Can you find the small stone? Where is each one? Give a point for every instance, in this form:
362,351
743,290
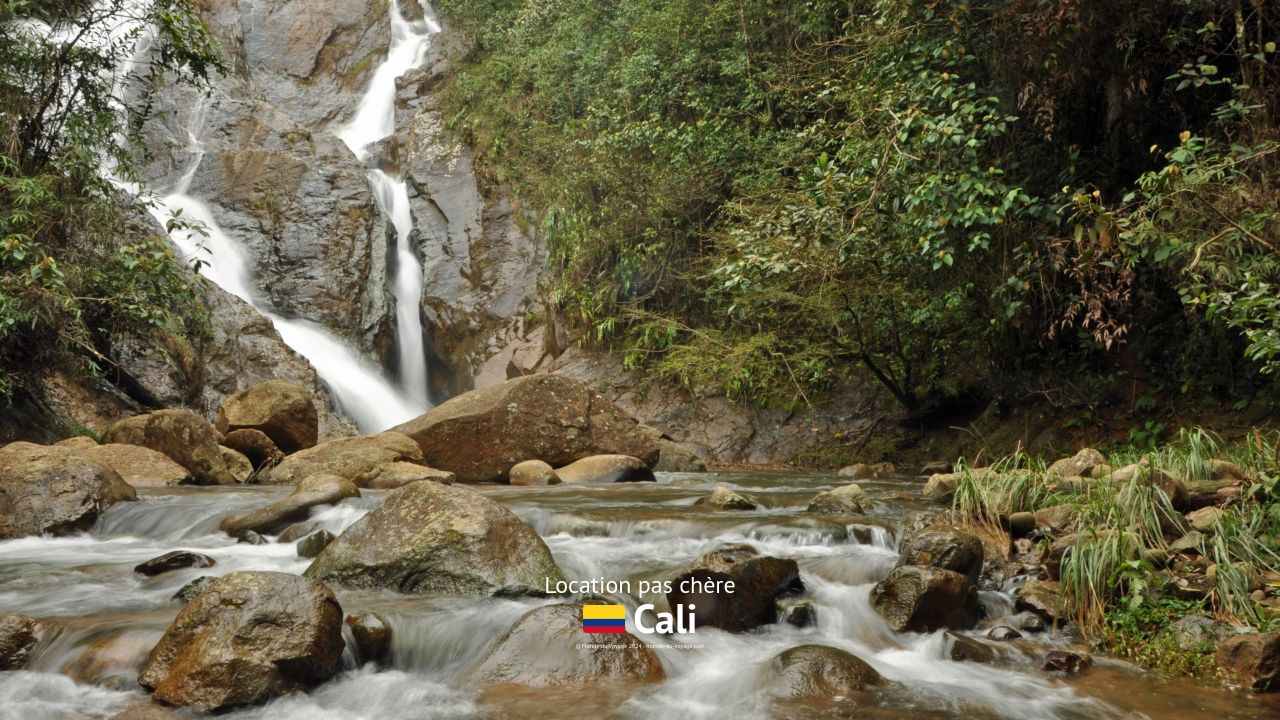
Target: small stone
1189,543
797,613
1003,633
723,498
1067,661
251,538
1021,524
193,588
1204,519
18,637
315,543
174,561
296,532
532,473
372,634
963,648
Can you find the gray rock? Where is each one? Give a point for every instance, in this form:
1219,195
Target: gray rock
54,490
722,498
315,490
605,469
922,599
372,634
175,560
315,543
848,499
820,672
247,637
427,537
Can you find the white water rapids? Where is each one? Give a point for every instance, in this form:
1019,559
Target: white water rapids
106,618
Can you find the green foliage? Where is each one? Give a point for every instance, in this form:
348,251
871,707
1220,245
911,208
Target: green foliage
1143,632
758,198
76,264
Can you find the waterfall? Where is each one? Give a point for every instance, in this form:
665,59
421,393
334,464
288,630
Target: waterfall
373,122
360,388
357,385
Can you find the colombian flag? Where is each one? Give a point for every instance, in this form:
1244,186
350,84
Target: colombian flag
604,619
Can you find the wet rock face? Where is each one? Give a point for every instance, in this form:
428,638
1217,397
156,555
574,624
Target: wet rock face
546,647
246,349
820,672
946,548
316,490
480,435
758,582
245,638
181,435
924,599
54,490
280,410
18,637
427,537
1252,661
358,459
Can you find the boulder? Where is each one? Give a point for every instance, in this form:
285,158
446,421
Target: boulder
604,469
175,560
372,634
180,434
427,537
1172,487
1042,597
283,411
315,543
1203,519
245,638
139,466
481,434
678,458
946,548
19,635
255,445
758,582
1021,524
398,474
237,464
1077,465
532,473
963,648
546,648
849,499
1224,471
722,498
358,459
866,471
315,490
54,490
1252,661
924,599
820,672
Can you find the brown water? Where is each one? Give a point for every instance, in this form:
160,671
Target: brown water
107,618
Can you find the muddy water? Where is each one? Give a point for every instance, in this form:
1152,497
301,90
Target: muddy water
106,618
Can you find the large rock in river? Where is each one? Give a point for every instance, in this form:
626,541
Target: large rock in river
315,490
428,537
358,459
925,599
946,548
848,499
180,434
54,490
545,648
245,638
283,411
820,672
139,466
480,435
758,582
604,469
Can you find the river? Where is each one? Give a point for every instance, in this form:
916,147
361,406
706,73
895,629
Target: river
106,618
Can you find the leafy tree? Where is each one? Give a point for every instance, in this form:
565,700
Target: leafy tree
78,262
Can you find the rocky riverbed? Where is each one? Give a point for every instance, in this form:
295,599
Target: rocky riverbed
378,587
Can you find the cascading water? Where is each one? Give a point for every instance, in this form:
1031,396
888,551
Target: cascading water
373,122
361,389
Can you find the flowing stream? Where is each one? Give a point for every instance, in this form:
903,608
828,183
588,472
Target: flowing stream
106,618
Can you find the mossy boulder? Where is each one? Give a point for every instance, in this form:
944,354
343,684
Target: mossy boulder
54,490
